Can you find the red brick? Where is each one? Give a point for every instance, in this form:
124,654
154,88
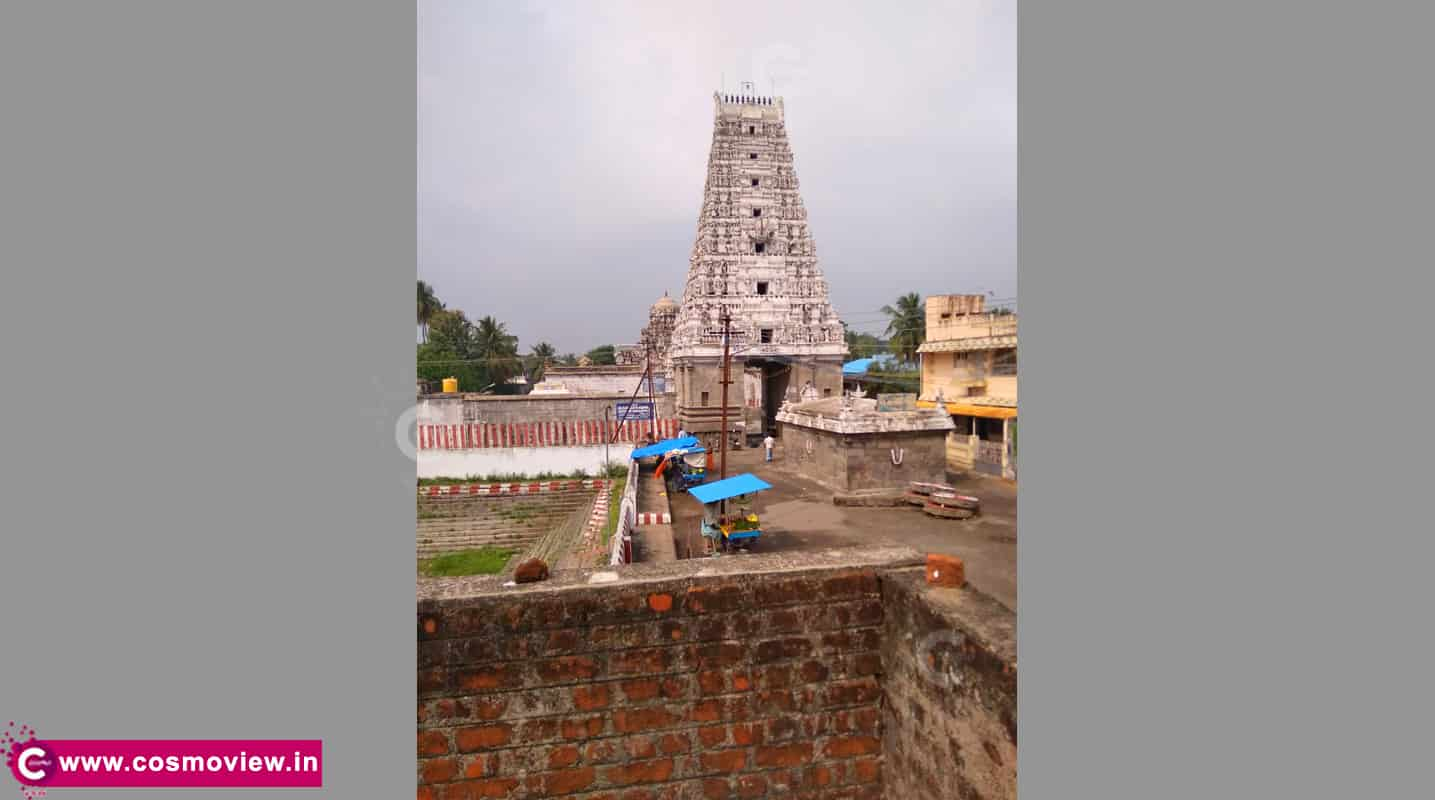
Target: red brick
847,746
853,693
432,680
716,789
713,735
581,728
779,649
439,770
482,737
487,709
869,613
425,793
644,719
751,786
566,669
506,676
706,711
671,630
787,755
468,790
432,743
660,602
744,734
946,571
716,655
534,731
712,682
563,641
640,662
672,743
869,770
562,784
814,672
849,585
640,772
601,752
564,756
741,683
639,690
725,760
430,625
482,767
587,698
641,747
700,600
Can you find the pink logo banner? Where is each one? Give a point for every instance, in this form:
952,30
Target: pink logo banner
165,763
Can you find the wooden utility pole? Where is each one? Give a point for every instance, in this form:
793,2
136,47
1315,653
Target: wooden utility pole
726,323
652,406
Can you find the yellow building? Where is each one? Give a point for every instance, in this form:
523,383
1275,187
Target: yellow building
969,368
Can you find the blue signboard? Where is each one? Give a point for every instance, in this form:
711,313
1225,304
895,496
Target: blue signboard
629,412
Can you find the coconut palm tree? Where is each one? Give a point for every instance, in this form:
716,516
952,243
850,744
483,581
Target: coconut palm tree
538,361
906,326
429,305
496,350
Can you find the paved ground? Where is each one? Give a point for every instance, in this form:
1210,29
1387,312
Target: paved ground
798,514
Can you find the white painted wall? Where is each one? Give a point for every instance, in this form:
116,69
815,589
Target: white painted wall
517,460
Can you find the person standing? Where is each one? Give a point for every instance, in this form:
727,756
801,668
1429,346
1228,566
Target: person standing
767,444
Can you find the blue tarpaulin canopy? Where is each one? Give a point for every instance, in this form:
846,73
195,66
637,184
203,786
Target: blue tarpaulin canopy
732,487
664,446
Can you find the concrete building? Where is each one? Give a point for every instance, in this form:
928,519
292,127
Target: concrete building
617,379
969,368
754,259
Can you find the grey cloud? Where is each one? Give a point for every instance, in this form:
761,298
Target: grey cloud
562,150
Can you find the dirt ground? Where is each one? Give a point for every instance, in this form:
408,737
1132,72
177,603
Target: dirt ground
798,514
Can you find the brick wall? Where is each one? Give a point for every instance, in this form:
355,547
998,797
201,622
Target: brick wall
753,676
738,684
949,680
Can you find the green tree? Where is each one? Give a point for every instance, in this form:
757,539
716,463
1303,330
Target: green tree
451,330
906,326
568,359
539,359
429,305
863,345
603,354
496,351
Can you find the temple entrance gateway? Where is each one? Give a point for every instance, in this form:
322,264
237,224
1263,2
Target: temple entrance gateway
754,262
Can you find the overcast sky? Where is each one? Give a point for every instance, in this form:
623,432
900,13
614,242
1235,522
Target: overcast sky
562,149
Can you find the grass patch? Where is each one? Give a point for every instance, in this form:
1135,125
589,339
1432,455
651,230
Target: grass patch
618,468
483,561
615,500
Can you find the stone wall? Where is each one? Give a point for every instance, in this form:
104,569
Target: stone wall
757,676
846,462
949,678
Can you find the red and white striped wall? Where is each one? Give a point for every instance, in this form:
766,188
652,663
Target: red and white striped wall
654,518
565,433
511,488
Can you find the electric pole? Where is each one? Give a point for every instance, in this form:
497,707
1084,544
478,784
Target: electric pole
652,406
726,323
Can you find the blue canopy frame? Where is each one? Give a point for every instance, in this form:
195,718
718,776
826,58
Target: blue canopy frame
746,483
664,446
